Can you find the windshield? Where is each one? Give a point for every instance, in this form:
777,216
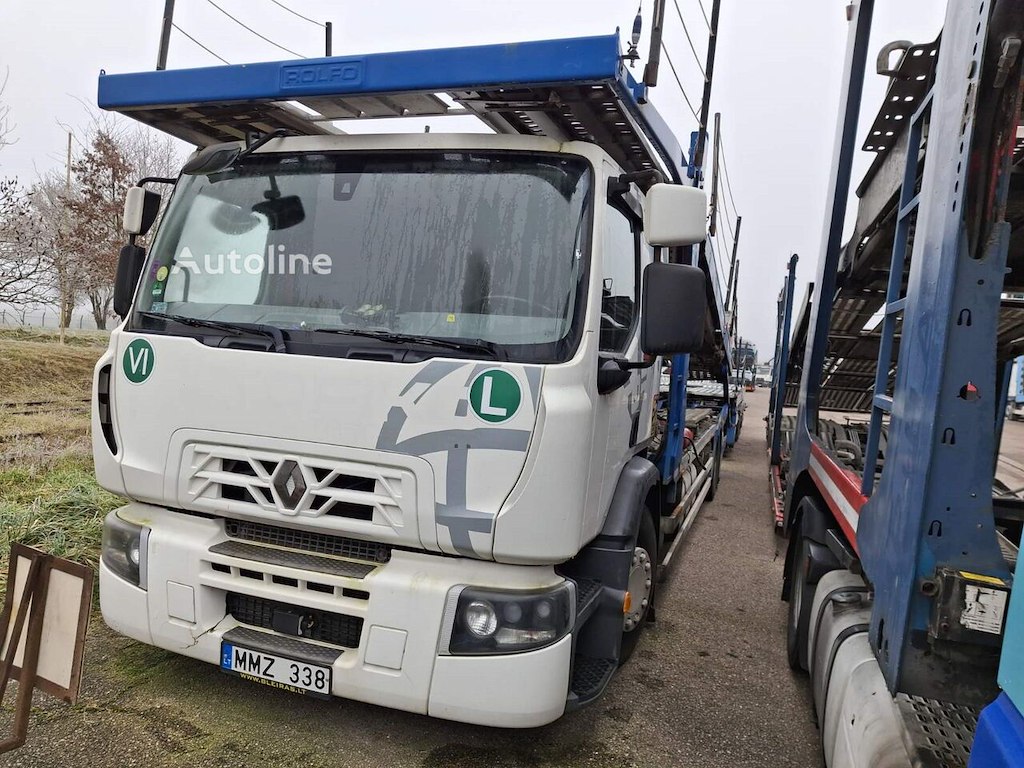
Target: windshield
472,245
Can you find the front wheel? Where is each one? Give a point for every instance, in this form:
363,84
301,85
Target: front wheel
641,586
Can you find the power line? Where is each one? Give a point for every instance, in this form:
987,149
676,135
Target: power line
701,4
186,34
722,254
725,176
296,13
696,57
679,82
261,37
729,225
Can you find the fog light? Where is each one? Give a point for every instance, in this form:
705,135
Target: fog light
480,618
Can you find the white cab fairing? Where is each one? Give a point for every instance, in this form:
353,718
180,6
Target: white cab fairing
420,456
203,410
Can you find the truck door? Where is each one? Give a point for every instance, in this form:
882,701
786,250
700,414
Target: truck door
622,417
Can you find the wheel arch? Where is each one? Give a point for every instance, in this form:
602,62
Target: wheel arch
811,520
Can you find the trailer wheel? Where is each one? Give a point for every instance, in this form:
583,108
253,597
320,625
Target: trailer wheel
801,595
642,583
809,562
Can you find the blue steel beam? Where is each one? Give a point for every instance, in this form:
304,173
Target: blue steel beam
831,247
933,505
573,61
537,62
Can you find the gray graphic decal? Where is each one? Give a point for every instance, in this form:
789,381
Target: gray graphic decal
456,443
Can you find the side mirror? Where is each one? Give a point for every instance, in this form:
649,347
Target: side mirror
129,269
674,307
675,215
141,207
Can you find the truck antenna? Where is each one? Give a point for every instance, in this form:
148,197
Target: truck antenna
631,53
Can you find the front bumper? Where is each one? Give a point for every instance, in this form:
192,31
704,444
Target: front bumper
184,610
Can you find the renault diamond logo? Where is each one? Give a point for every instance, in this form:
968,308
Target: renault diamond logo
289,484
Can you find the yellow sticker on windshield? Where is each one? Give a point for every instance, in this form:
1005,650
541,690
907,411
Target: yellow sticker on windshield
451,318
161,274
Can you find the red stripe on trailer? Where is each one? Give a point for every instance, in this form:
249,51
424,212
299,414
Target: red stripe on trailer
841,490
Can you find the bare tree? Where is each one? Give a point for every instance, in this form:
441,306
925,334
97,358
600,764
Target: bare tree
51,197
116,155
104,176
21,265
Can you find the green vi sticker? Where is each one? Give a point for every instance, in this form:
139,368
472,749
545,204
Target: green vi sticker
495,395
138,361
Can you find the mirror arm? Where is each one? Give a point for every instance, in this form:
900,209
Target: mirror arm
629,365
252,143
619,185
624,364
156,180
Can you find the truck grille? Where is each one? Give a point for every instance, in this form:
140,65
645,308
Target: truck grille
332,628
308,541
227,478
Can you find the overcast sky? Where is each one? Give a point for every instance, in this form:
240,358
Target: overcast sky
776,83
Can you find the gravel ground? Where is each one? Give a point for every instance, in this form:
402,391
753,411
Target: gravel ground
708,687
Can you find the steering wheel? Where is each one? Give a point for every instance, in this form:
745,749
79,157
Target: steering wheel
530,305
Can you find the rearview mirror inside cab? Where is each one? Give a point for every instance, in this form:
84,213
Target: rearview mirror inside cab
675,215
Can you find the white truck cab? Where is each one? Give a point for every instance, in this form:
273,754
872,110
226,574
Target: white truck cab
385,406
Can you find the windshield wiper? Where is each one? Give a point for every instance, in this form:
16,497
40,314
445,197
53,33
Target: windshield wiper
473,345
236,329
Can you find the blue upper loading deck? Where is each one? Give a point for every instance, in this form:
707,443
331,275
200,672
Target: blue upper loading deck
575,89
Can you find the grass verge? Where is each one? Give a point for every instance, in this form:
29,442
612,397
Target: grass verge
58,509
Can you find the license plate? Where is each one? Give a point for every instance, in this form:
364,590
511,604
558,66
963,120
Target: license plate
276,671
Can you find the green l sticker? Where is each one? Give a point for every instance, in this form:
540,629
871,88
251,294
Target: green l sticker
495,395
138,361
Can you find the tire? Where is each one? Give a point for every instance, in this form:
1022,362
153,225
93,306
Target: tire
716,473
647,544
810,561
801,596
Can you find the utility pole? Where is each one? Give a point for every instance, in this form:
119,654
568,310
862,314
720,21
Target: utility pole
62,312
165,34
328,34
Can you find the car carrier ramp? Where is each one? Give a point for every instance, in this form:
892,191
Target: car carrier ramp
848,377
574,89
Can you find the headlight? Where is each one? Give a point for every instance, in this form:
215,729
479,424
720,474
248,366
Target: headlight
124,549
491,621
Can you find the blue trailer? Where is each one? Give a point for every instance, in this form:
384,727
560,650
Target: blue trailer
900,563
